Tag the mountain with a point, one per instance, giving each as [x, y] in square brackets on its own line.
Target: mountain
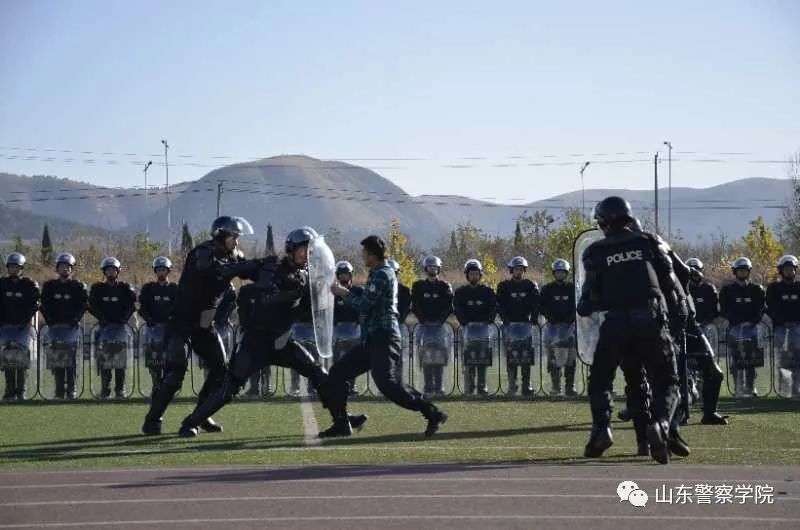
[28, 225]
[289, 191]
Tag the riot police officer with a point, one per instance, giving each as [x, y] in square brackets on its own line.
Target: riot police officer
[629, 275]
[518, 300]
[706, 309]
[268, 311]
[19, 301]
[783, 307]
[111, 302]
[156, 301]
[432, 303]
[475, 303]
[64, 302]
[558, 307]
[206, 275]
[742, 302]
[342, 312]
[403, 293]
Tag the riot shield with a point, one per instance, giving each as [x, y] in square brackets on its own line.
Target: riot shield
[786, 349]
[17, 358]
[346, 336]
[112, 350]
[748, 360]
[433, 362]
[150, 358]
[294, 384]
[321, 275]
[560, 351]
[587, 328]
[479, 352]
[521, 352]
[199, 370]
[60, 366]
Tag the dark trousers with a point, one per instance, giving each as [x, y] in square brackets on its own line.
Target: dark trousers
[639, 343]
[64, 380]
[256, 352]
[15, 382]
[206, 343]
[379, 355]
[119, 379]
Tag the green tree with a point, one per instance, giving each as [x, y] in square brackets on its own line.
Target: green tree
[763, 249]
[535, 229]
[186, 239]
[201, 236]
[560, 240]
[47, 247]
[789, 224]
[20, 246]
[270, 242]
[398, 243]
[519, 240]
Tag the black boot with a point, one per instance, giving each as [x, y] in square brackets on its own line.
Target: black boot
[188, 431]
[555, 381]
[71, 391]
[527, 389]
[58, 375]
[677, 445]
[714, 419]
[21, 387]
[357, 421]
[119, 383]
[209, 425]
[436, 418]
[512, 379]
[657, 436]
[10, 383]
[482, 388]
[600, 440]
[151, 427]
[569, 381]
[624, 415]
[341, 427]
[105, 383]
[640, 428]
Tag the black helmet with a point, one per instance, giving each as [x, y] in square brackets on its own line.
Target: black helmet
[344, 267]
[162, 262]
[66, 258]
[517, 261]
[299, 237]
[393, 265]
[110, 261]
[230, 225]
[473, 265]
[613, 211]
[15, 258]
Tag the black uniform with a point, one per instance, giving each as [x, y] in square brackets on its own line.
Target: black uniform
[558, 307]
[19, 301]
[403, 302]
[476, 304]
[741, 304]
[432, 303]
[206, 277]
[111, 304]
[156, 302]
[629, 275]
[268, 308]
[518, 301]
[64, 303]
[706, 301]
[783, 307]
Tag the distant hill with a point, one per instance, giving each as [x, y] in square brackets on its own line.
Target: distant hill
[29, 225]
[288, 191]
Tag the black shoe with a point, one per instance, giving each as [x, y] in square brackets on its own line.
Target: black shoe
[151, 427]
[624, 415]
[657, 438]
[209, 425]
[435, 420]
[528, 391]
[20, 397]
[677, 445]
[357, 421]
[483, 391]
[120, 394]
[572, 392]
[105, 393]
[642, 449]
[341, 427]
[600, 440]
[714, 419]
[188, 432]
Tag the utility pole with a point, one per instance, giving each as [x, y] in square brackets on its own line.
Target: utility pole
[655, 188]
[146, 214]
[219, 195]
[669, 197]
[583, 190]
[169, 206]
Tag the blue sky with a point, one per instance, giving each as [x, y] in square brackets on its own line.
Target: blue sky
[440, 81]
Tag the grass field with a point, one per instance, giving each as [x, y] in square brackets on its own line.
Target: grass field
[89, 435]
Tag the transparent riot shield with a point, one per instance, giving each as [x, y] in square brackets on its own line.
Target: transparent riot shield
[321, 275]
[61, 362]
[294, 384]
[698, 348]
[432, 359]
[587, 328]
[479, 356]
[150, 358]
[560, 353]
[748, 360]
[346, 336]
[786, 349]
[111, 372]
[521, 346]
[18, 358]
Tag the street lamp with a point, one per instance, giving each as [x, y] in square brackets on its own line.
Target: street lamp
[169, 212]
[669, 191]
[583, 190]
[146, 215]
